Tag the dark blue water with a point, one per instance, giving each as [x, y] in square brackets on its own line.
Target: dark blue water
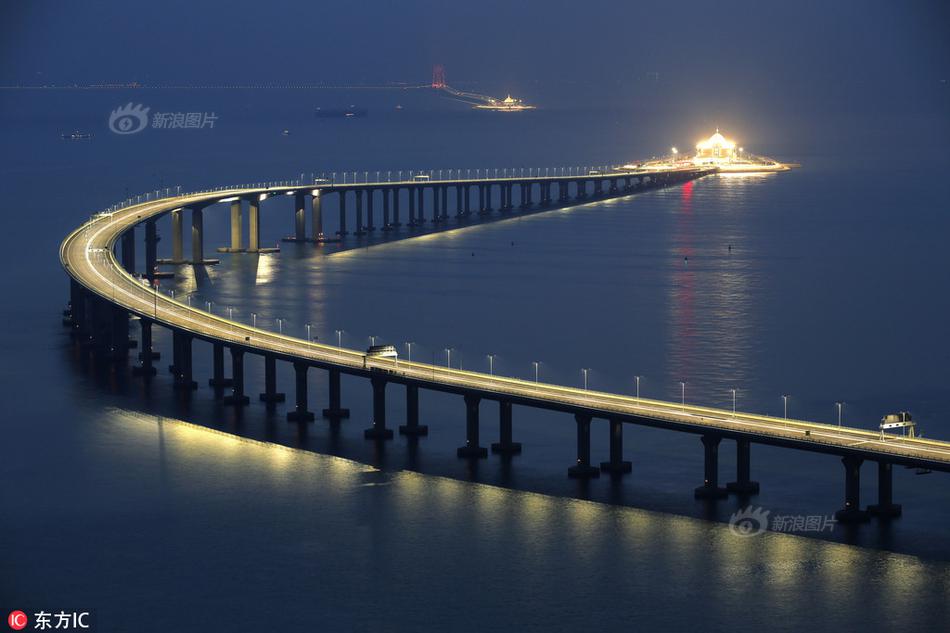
[161, 513]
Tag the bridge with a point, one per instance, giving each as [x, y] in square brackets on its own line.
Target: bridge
[105, 291]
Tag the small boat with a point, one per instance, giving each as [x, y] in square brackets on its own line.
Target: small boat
[286, 132]
[341, 113]
[76, 136]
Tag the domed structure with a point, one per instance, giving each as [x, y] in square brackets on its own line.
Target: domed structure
[715, 148]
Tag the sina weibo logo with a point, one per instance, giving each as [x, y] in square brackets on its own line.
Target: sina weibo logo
[128, 119]
[749, 521]
[17, 620]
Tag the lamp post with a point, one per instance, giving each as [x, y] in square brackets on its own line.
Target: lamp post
[585, 370]
[683, 393]
[448, 357]
[409, 356]
[339, 338]
[733, 390]
[536, 365]
[280, 325]
[637, 380]
[785, 405]
[491, 364]
[840, 406]
[372, 340]
[253, 319]
[309, 339]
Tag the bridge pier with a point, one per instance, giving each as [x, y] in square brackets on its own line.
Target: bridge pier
[237, 226]
[335, 412]
[467, 200]
[710, 488]
[582, 468]
[386, 225]
[181, 357]
[254, 225]
[616, 465]
[412, 426]
[217, 362]
[459, 202]
[436, 205]
[505, 445]
[270, 395]
[145, 350]
[378, 431]
[743, 484]
[178, 255]
[370, 226]
[445, 203]
[885, 506]
[852, 512]
[471, 449]
[359, 213]
[197, 236]
[300, 413]
[421, 211]
[237, 396]
[300, 218]
[128, 250]
[396, 207]
[481, 199]
[342, 230]
[151, 249]
[316, 216]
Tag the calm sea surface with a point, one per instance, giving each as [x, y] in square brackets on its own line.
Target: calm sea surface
[165, 514]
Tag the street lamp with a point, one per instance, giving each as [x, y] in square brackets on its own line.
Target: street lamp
[683, 393]
[253, 319]
[536, 365]
[840, 406]
[637, 379]
[448, 357]
[339, 338]
[230, 312]
[309, 339]
[733, 390]
[372, 340]
[785, 404]
[491, 364]
[409, 345]
[585, 370]
[209, 304]
[280, 325]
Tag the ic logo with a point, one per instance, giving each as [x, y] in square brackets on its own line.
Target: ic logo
[128, 119]
[17, 620]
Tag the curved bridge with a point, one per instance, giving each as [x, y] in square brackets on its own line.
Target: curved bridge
[104, 294]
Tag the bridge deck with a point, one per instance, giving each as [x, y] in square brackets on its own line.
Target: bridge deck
[87, 255]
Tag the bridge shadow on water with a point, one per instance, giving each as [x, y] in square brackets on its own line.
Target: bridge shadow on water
[540, 469]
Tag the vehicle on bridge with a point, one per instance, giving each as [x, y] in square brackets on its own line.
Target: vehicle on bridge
[382, 351]
[422, 178]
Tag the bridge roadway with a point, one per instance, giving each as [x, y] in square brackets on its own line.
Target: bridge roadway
[88, 256]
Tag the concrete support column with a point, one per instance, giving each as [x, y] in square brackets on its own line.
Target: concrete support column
[301, 412]
[182, 361]
[421, 211]
[467, 200]
[386, 224]
[128, 250]
[316, 216]
[217, 379]
[412, 426]
[885, 506]
[582, 468]
[488, 208]
[378, 431]
[471, 448]
[270, 395]
[300, 217]
[197, 236]
[616, 465]
[237, 225]
[505, 445]
[335, 412]
[369, 210]
[852, 512]
[481, 198]
[445, 202]
[359, 212]
[237, 396]
[412, 207]
[459, 204]
[178, 255]
[396, 207]
[145, 350]
[151, 249]
[710, 488]
[743, 484]
[342, 230]
[254, 226]
[436, 204]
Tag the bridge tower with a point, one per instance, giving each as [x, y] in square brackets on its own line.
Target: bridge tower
[438, 76]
